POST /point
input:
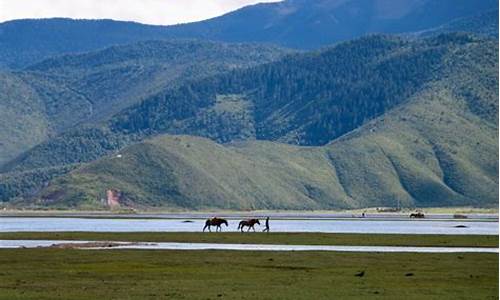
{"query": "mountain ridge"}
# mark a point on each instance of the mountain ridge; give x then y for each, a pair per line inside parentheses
(297, 24)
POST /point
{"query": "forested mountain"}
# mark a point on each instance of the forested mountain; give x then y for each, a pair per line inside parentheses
(303, 24)
(117, 77)
(414, 120)
(306, 99)
(438, 148)
(56, 94)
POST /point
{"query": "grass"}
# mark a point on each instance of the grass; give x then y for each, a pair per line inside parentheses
(134, 274)
(271, 238)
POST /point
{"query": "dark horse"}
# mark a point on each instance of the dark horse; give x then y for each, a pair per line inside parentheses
(250, 223)
(215, 222)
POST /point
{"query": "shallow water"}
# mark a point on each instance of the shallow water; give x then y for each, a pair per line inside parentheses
(252, 247)
(12, 224)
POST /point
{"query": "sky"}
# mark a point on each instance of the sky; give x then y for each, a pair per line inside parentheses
(158, 12)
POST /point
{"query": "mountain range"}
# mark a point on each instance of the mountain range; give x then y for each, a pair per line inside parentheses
(300, 24)
(376, 120)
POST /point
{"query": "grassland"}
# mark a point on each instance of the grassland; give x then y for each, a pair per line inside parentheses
(271, 238)
(125, 274)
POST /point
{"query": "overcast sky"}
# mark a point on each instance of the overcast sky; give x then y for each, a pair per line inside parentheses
(164, 12)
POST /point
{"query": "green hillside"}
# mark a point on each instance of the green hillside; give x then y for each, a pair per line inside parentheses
(440, 148)
(306, 99)
(59, 93)
(426, 153)
(117, 77)
(413, 121)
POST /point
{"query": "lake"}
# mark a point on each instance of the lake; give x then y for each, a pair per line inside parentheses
(399, 226)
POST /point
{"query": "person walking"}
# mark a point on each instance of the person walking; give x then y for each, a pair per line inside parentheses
(267, 225)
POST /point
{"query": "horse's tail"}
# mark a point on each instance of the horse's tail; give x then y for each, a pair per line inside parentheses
(240, 224)
(207, 223)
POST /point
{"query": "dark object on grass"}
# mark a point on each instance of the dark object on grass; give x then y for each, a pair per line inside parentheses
(215, 222)
(409, 274)
(360, 274)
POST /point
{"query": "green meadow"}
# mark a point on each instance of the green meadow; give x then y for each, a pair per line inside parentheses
(47, 273)
(145, 274)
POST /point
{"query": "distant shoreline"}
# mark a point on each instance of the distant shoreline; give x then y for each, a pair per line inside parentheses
(447, 213)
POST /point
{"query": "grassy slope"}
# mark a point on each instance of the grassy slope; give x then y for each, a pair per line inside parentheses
(128, 274)
(368, 169)
(441, 148)
(268, 238)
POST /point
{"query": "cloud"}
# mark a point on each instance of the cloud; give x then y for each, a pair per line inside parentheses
(164, 12)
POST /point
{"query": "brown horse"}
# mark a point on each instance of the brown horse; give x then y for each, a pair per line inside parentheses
(215, 222)
(250, 223)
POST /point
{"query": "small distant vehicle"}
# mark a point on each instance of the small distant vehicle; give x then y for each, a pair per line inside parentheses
(417, 215)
